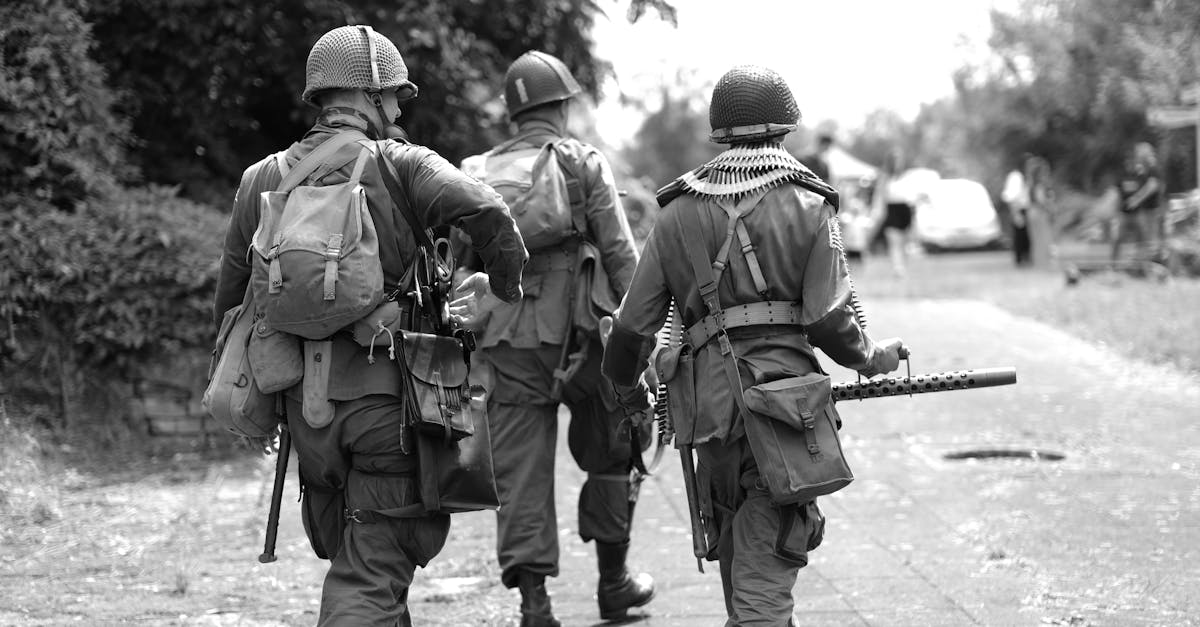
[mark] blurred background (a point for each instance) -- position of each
(125, 125)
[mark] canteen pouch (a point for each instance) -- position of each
(675, 366)
(276, 358)
(594, 297)
(316, 406)
(232, 397)
(438, 391)
(791, 426)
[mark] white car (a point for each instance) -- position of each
(956, 213)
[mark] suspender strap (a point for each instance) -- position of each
(314, 159)
(693, 243)
(750, 314)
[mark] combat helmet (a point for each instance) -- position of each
(537, 78)
(751, 103)
(356, 57)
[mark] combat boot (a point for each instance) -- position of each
(618, 590)
(535, 601)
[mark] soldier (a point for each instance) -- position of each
(357, 78)
(789, 252)
(536, 357)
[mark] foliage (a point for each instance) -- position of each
(59, 140)
(1070, 80)
(213, 86)
(121, 280)
(673, 138)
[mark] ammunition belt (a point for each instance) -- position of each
(767, 312)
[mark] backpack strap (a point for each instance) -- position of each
(314, 159)
(575, 196)
(281, 162)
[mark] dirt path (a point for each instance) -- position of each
(1108, 535)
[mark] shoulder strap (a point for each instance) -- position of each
(735, 211)
(419, 230)
(574, 181)
(314, 159)
(281, 162)
(693, 244)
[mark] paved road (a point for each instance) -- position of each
(1108, 535)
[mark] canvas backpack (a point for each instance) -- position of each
(533, 185)
(315, 265)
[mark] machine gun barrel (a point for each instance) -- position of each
(923, 383)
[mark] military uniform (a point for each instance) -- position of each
(356, 461)
(760, 545)
(521, 348)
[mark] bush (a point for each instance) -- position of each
(59, 140)
(93, 295)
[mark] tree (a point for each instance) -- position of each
(59, 139)
(674, 136)
(214, 86)
(1070, 80)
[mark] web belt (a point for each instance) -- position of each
(751, 314)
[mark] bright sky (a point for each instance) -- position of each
(842, 58)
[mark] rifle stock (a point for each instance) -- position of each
(281, 464)
(699, 537)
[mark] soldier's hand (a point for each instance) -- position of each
(474, 300)
(886, 358)
(606, 326)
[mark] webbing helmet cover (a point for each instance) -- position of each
(537, 78)
(356, 57)
(751, 103)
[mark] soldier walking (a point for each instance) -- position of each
(782, 289)
(356, 463)
(536, 354)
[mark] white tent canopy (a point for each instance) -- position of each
(843, 165)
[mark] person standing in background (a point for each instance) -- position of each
(896, 207)
(1016, 197)
(1139, 219)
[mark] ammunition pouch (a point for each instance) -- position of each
(675, 366)
(276, 357)
(791, 426)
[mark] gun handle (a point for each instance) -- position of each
(281, 464)
(699, 537)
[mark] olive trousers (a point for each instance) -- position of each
(760, 546)
(524, 422)
(356, 462)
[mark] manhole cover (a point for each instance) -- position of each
(1005, 453)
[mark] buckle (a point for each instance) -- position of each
(352, 516)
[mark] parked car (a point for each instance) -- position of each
(956, 214)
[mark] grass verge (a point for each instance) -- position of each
(1139, 318)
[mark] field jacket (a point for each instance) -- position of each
(542, 316)
(794, 234)
(436, 190)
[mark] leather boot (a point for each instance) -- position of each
(535, 601)
(618, 589)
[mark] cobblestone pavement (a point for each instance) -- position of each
(1108, 535)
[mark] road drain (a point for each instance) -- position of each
(1005, 453)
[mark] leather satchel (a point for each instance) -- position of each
(438, 391)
